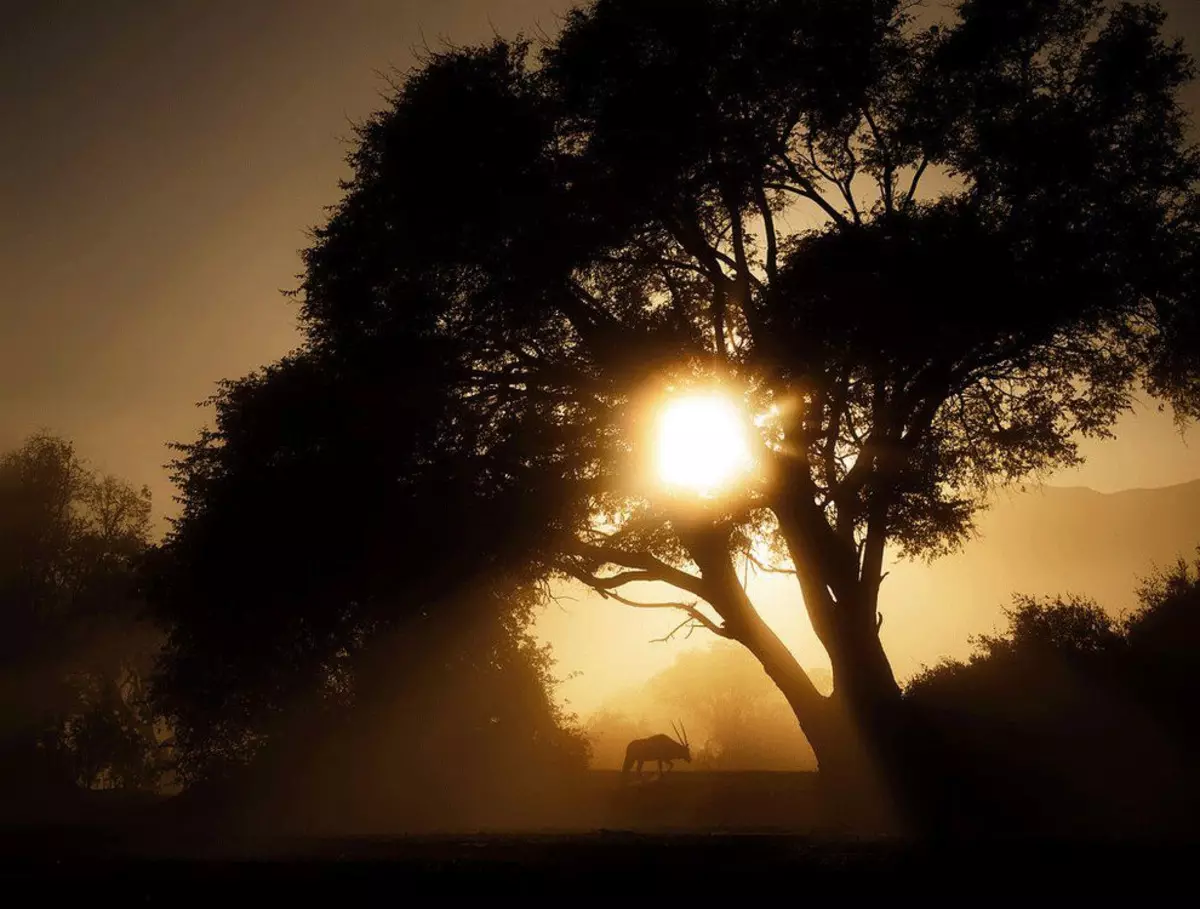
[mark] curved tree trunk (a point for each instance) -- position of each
(855, 733)
(871, 755)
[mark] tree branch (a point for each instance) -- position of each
(618, 580)
(912, 189)
(808, 190)
(651, 568)
(764, 207)
(847, 186)
(694, 615)
(689, 623)
(889, 166)
(769, 569)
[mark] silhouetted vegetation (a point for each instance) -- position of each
(928, 259)
(341, 613)
(1073, 720)
(75, 646)
(995, 241)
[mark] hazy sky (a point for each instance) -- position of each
(160, 161)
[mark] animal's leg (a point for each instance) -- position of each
(670, 766)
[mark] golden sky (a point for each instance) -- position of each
(161, 162)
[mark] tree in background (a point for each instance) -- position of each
(610, 730)
(74, 646)
(736, 718)
(748, 722)
(928, 259)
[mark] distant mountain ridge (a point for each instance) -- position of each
(1045, 541)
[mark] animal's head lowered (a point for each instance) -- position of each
(681, 737)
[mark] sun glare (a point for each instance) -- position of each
(701, 444)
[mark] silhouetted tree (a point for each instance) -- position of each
(1163, 637)
(738, 192)
(74, 644)
(346, 629)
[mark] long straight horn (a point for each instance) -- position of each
(678, 734)
(684, 731)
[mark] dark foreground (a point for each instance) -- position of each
(575, 868)
(695, 837)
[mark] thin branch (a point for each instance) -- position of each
(694, 615)
(764, 207)
(690, 624)
(639, 604)
(769, 569)
(889, 166)
(912, 189)
(807, 189)
(827, 176)
(847, 187)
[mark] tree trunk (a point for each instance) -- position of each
(876, 763)
(853, 732)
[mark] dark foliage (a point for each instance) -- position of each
(930, 258)
(75, 646)
(1074, 720)
(340, 606)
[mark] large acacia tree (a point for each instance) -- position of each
(933, 255)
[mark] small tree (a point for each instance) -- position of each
(73, 642)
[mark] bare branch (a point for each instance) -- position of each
(694, 615)
(912, 189)
(887, 184)
(769, 569)
(689, 623)
(807, 189)
(764, 207)
(847, 185)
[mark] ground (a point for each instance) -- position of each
(694, 834)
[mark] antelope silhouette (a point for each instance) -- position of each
(660, 748)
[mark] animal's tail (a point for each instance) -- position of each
(628, 761)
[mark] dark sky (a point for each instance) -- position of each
(160, 161)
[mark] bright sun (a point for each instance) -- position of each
(701, 443)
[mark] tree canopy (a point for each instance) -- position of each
(329, 564)
(924, 258)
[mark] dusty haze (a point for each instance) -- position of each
(161, 163)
